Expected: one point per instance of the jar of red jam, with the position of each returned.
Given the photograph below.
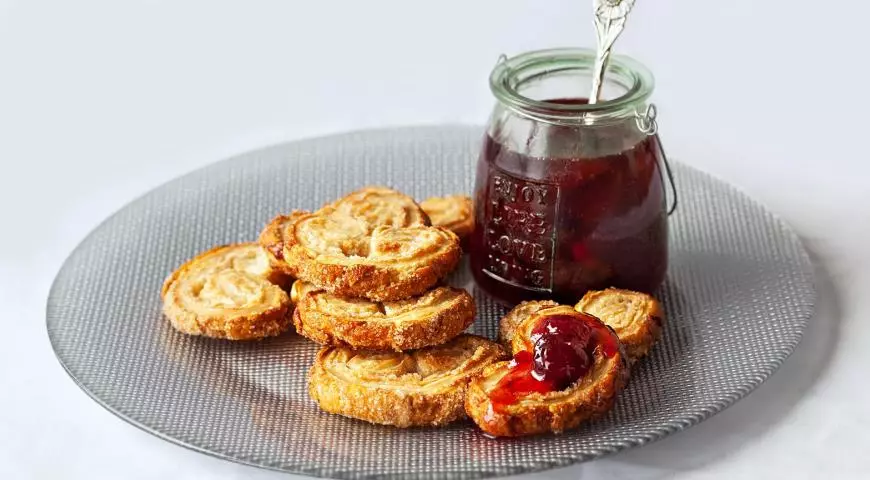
(569, 195)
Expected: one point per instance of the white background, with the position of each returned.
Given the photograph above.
(100, 101)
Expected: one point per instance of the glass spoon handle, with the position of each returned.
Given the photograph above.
(610, 16)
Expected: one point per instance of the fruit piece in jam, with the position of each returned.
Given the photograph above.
(562, 352)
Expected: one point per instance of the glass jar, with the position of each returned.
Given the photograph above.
(569, 196)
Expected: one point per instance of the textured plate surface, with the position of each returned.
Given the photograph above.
(738, 296)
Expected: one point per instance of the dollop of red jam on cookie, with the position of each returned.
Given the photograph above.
(563, 352)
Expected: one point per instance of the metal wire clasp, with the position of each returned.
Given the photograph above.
(646, 123)
(646, 120)
(502, 59)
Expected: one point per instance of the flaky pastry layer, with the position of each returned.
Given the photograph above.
(228, 292)
(454, 212)
(416, 388)
(637, 318)
(272, 238)
(432, 318)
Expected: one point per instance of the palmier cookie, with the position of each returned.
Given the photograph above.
(416, 388)
(454, 212)
(370, 206)
(227, 292)
(636, 317)
(432, 318)
(368, 245)
(514, 398)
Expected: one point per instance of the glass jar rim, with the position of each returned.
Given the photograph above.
(512, 72)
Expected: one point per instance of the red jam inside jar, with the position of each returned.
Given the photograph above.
(554, 226)
(569, 195)
(563, 351)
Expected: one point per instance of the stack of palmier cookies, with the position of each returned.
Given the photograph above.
(370, 269)
(369, 287)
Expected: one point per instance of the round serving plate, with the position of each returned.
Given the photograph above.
(738, 296)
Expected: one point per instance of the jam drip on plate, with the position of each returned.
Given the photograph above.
(563, 352)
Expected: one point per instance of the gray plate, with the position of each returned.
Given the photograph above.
(738, 296)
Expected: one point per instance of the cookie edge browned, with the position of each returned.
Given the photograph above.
(386, 406)
(463, 228)
(369, 281)
(640, 342)
(439, 328)
(270, 322)
(271, 238)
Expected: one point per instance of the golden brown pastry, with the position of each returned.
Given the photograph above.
(272, 238)
(299, 289)
(507, 328)
(228, 292)
(381, 206)
(374, 243)
(454, 212)
(568, 367)
(636, 317)
(416, 388)
(432, 318)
